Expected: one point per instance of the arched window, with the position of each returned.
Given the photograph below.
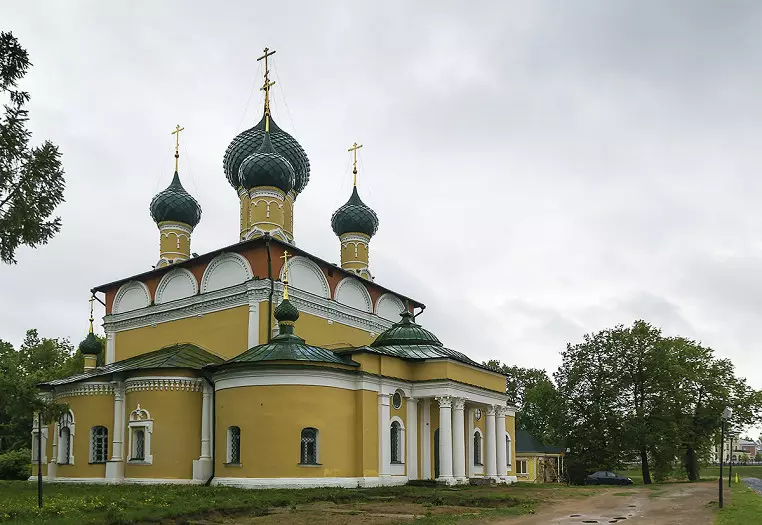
(140, 430)
(234, 445)
(508, 449)
(65, 435)
(98, 444)
(397, 446)
(396, 432)
(478, 448)
(309, 447)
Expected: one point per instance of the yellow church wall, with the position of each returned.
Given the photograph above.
(271, 419)
(176, 436)
(370, 363)
(396, 367)
(458, 372)
(174, 240)
(434, 419)
(223, 333)
(316, 331)
(89, 411)
(366, 406)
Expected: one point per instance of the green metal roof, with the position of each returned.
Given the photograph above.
(527, 443)
(175, 204)
(289, 347)
(182, 355)
(354, 217)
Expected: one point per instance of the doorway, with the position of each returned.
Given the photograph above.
(436, 453)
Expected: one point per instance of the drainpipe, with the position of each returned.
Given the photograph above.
(272, 288)
(415, 315)
(214, 428)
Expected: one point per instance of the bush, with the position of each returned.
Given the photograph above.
(15, 464)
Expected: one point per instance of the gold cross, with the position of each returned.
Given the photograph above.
(285, 273)
(176, 133)
(92, 298)
(266, 87)
(354, 149)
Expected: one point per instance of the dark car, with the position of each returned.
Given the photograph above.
(606, 477)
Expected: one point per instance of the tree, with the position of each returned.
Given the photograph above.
(31, 178)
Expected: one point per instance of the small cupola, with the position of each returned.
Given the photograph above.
(91, 346)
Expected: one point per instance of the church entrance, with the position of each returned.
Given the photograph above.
(436, 453)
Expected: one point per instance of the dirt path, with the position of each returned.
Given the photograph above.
(675, 504)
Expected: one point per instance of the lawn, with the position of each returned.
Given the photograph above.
(745, 506)
(707, 473)
(69, 504)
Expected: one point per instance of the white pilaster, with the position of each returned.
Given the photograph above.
(445, 440)
(458, 440)
(52, 464)
(110, 347)
(490, 460)
(412, 438)
(470, 442)
(115, 465)
(253, 339)
(502, 456)
(384, 438)
(426, 440)
(202, 467)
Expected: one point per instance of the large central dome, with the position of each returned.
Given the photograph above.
(249, 141)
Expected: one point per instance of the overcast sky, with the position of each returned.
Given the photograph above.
(540, 169)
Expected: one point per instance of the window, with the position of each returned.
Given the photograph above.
(35, 446)
(478, 448)
(397, 400)
(65, 435)
(508, 450)
(234, 445)
(98, 444)
(140, 430)
(309, 450)
(396, 434)
(521, 467)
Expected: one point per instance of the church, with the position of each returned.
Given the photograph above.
(261, 365)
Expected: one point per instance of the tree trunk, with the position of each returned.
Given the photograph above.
(644, 466)
(691, 465)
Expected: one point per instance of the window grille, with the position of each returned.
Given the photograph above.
(395, 439)
(309, 446)
(477, 448)
(65, 444)
(99, 444)
(235, 445)
(139, 445)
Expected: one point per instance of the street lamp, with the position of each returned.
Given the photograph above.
(726, 414)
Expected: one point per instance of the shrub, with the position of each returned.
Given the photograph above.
(15, 464)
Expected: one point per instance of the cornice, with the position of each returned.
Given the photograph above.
(171, 384)
(84, 389)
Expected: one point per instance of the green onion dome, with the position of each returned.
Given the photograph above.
(175, 204)
(286, 312)
(354, 217)
(90, 345)
(265, 167)
(249, 141)
(406, 332)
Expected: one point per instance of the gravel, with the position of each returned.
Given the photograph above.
(754, 483)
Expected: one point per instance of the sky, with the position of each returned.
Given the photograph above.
(541, 169)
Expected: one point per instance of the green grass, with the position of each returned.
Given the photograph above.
(706, 473)
(68, 504)
(745, 506)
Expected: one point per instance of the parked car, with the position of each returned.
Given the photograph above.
(606, 477)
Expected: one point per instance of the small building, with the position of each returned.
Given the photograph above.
(535, 462)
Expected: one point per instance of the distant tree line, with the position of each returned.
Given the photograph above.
(630, 394)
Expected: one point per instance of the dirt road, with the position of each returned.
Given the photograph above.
(672, 504)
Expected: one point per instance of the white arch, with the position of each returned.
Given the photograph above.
(176, 284)
(305, 275)
(389, 306)
(131, 296)
(225, 270)
(351, 292)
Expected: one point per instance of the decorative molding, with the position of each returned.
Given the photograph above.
(351, 282)
(300, 261)
(389, 298)
(458, 403)
(172, 226)
(225, 257)
(444, 401)
(128, 287)
(173, 274)
(84, 389)
(170, 384)
(491, 410)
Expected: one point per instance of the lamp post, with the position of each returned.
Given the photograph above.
(725, 416)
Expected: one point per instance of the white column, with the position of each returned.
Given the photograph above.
(459, 440)
(426, 440)
(502, 457)
(490, 460)
(115, 466)
(412, 438)
(110, 347)
(384, 438)
(445, 440)
(202, 467)
(253, 339)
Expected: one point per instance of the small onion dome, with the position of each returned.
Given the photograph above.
(286, 312)
(265, 167)
(90, 345)
(354, 217)
(406, 332)
(247, 142)
(175, 204)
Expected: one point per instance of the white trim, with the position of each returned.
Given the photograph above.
(90, 388)
(253, 326)
(426, 440)
(110, 347)
(309, 264)
(352, 282)
(222, 258)
(36, 434)
(167, 383)
(301, 483)
(397, 469)
(176, 272)
(126, 287)
(479, 466)
(389, 297)
(70, 426)
(140, 419)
